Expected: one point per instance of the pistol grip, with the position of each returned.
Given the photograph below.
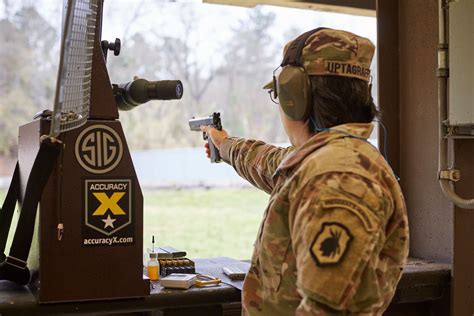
(215, 156)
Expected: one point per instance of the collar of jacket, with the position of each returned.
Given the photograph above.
(360, 130)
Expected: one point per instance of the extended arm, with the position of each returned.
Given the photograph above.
(254, 160)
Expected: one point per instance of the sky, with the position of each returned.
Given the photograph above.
(214, 21)
(220, 17)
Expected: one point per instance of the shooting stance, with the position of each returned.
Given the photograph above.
(334, 237)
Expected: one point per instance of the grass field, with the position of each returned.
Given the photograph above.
(203, 222)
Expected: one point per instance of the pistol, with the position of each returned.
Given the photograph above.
(213, 120)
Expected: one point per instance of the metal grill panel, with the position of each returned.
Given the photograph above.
(71, 107)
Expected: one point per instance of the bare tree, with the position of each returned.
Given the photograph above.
(28, 59)
(251, 55)
(181, 54)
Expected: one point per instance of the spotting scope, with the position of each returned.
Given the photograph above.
(138, 91)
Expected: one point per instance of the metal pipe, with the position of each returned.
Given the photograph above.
(443, 68)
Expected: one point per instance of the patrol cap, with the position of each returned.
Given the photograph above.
(330, 52)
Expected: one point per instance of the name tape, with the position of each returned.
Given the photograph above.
(347, 69)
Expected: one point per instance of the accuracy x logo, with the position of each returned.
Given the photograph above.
(108, 203)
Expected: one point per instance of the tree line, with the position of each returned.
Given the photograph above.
(228, 78)
(230, 83)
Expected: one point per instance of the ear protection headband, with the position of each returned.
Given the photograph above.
(292, 86)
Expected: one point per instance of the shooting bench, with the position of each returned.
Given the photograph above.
(423, 290)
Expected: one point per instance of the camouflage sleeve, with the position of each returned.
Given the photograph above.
(336, 237)
(253, 160)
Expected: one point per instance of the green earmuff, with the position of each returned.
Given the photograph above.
(292, 85)
(294, 92)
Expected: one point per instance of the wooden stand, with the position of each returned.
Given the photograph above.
(94, 192)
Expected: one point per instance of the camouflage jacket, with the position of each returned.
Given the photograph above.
(334, 237)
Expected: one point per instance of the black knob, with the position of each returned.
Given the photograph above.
(115, 46)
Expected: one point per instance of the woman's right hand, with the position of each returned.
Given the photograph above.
(217, 137)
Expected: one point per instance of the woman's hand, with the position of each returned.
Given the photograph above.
(217, 137)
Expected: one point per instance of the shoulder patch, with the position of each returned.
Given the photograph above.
(368, 218)
(331, 244)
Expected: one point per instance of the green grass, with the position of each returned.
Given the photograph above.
(203, 222)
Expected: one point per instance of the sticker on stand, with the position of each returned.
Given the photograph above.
(99, 149)
(108, 218)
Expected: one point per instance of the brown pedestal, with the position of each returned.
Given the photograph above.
(100, 203)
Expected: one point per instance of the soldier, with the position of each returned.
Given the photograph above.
(334, 237)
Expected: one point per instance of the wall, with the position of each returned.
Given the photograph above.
(430, 213)
(463, 258)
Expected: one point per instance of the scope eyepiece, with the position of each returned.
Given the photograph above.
(131, 94)
(165, 90)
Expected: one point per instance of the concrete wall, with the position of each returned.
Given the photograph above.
(430, 213)
(463, 256)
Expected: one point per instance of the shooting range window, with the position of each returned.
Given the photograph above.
(223, 54)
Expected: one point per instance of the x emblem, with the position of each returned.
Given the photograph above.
(108, 203)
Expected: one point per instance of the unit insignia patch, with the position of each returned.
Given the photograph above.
(331, 244)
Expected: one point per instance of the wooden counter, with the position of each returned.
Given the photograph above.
(423, 285)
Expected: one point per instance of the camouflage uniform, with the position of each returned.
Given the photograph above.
(334, 237)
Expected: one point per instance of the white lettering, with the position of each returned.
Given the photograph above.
(108, 187)
(108, 241)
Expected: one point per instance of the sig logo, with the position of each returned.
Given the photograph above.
(108, 208)
(98, 149)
